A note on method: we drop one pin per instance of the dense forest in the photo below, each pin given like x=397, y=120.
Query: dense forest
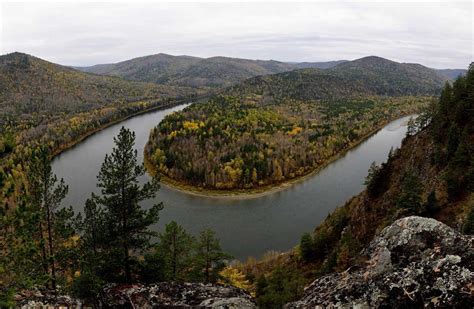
x=431, y=175
x=230, y=143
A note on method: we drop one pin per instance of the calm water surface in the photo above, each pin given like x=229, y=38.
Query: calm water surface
x=247, y=227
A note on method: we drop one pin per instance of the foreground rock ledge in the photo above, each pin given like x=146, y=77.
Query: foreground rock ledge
x=161, y=295
x=176, y=294
x=415, y=262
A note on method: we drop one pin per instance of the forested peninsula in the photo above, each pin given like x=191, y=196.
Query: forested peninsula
x=232, y=145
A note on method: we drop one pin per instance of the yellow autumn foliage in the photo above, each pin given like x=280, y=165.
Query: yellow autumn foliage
x=191, y=125
x=235, y=277
x=295, y=130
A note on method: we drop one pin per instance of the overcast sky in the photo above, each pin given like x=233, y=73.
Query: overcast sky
x=431, y=33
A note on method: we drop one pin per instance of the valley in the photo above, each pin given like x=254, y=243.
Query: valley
x=262, y=219
x=261, y=156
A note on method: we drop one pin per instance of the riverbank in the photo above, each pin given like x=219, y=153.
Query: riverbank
x=241, y=194
x=71, y=144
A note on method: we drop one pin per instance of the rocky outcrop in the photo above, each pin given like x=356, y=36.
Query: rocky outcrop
x=175, y=295
x=44, y=298
x=161, y=295
x=415, y=262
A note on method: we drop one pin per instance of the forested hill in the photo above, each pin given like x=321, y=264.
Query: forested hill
x=31, y=85
x=197, y=72
x=154, y=68
x=431, y=175
x=366, y=76
x=452, y=73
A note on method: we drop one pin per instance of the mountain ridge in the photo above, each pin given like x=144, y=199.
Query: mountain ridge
x=28, y=83
x=370, y=75
x=216, y=71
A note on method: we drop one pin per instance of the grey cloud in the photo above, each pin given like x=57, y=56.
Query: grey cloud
x=434, y=34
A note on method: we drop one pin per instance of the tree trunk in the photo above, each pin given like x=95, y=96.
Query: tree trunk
x=207, y=260
x=174, y=256
x=43, y=249
x=51, y=251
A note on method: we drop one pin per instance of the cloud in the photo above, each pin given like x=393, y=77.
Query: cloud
x=432, y=33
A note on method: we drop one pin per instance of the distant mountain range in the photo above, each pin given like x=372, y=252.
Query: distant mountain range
x=366, y=76
x=197, y=72
x=452, y=73
x=214, y=72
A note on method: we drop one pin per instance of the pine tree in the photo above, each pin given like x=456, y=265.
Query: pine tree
x=307, y=247
x=453, y=140
x=410, y=197
x=175, y=248
x=126, y=223
x=46, y=193
x=209, y=259
x=431, y=206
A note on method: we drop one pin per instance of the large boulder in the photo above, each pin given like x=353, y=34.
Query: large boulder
x=415, y=262
x=175, y=295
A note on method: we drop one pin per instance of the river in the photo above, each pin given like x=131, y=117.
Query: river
x=246, y=227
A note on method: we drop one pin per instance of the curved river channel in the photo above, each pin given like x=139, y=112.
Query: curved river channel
x=246, y=227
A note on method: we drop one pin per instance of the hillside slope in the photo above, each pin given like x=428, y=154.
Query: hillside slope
x=451, y=73
x=431, y=175
x=365, y=76
x=414, y=262
x=31, y=85
x=154, y=68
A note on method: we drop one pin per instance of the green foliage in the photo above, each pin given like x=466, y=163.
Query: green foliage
x=6, y=297
x=87, y=286
x=410, y=196
x=37, y=232
x=452, y=131
x=283, y=285
x=468, y=227
x=153, y=267
x=431, y=205
x=307, y=247
x=453, y=140
x=377, y=179
x=209, y=259
x=46, y=194
x=175, y=249
x=126, y=223
x=7, y=143
x=180, y=257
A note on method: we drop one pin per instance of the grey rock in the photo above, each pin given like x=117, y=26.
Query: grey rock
x=43, y=298
x=415, y=262
x=174, y=294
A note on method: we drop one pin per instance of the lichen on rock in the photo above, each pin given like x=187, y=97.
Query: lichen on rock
x=414, y=262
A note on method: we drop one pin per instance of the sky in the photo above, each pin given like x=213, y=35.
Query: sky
x=435, y=34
